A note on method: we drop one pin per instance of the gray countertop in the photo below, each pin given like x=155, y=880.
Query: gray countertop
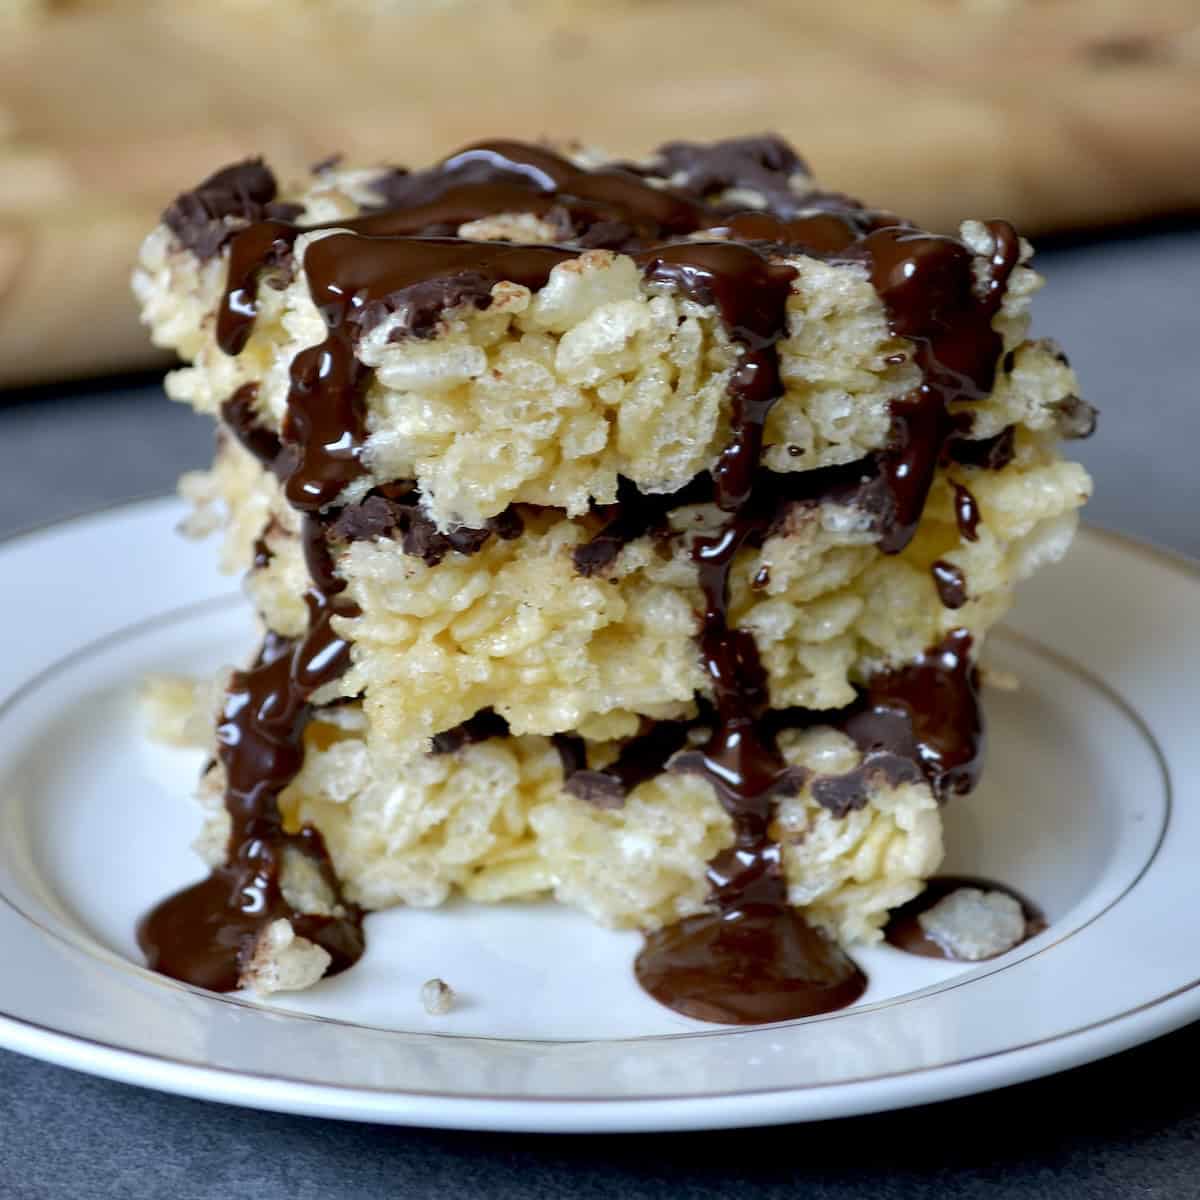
x=1128, y=311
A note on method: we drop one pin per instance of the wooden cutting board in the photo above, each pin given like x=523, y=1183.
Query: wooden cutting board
x=1057, y=114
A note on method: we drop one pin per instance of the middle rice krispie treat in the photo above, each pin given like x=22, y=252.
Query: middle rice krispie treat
x=625, y=532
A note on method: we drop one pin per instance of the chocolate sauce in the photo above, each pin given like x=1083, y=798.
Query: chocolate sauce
x=751, y=957
x=394, y=511
x=951, y=584
x=263, y=554
x=930, y=293
x=992, y=454
x=750, y=292
x=904, y=931
x=484, y=725
x=640, y=759
x=776, y=495
x=748, y=945
x=966, y=513
x=240, y=416
x=205, y=218
x=464, y=187
x=205, y=934
x=765, y=164
x=572, y=753
x=937, y=696
x=747, y=965
x=928, y=288
x=918, y=722
x=634, y=515
x=251, y=252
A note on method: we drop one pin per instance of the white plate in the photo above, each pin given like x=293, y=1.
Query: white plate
x=1089, y=806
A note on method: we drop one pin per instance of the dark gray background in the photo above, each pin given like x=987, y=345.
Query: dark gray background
x=1127, y=309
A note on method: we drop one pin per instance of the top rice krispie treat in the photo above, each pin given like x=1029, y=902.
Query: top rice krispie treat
x=586, y=503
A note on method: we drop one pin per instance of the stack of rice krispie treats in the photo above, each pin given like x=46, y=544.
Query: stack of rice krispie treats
x=626, y=532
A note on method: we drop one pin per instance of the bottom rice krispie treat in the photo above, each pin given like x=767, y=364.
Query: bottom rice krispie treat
x=622, y=532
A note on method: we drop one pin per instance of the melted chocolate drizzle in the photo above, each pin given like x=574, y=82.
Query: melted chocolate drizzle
x=919, y=721
x=966, y=513
x=241, y=417
x=746, y=959
x=752, y=957
x=206, y=934
x=766, y=164
x=775, y=495
x=927, y=285
x=951, y=584
x=514, y=177
x=205, y=218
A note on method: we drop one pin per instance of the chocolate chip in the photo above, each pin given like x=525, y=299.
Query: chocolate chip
x=205, y=218
x=992, y=454
x=1074, y=417
x=484, y=725
x=399, y=515
x=951, y=583
x=764, y=164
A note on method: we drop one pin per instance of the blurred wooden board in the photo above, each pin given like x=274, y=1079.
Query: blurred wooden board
x=1056, y=114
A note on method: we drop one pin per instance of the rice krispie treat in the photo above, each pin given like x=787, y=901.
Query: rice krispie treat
x=625, y=532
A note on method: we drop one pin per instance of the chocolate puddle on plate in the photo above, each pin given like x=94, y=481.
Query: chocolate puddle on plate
x=904, y=930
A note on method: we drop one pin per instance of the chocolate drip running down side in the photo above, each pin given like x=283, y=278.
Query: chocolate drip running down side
x=966, y=513
x=206, y=934
x=752, y=958
x=928, y=288
x=241, y=418
x=741, y=963
x=918, y=722
x=951, y=584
